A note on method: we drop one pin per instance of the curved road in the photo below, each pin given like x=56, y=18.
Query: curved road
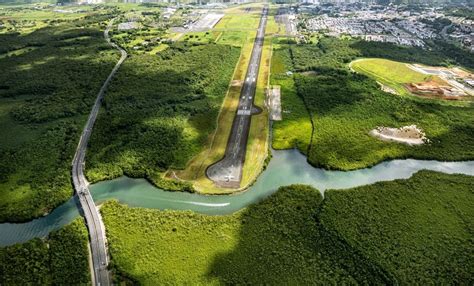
x=228, y=171
x=81, y=185
x=444, y=31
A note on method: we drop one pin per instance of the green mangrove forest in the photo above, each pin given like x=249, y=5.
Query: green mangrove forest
x=329, y=110
x=413, y=231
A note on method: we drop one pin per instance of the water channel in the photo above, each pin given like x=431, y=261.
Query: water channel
x=286, y=167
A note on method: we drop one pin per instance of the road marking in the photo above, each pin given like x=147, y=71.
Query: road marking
x=243, y=112
x=221, y=171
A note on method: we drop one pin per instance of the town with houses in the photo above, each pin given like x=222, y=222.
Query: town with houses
x=391, y=23
x=398, y=24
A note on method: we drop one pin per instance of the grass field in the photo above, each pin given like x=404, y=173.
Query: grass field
x=295, y=129
x=414, y=231
x=344, y=106
x=60, y=259
x=238, y=21
x=257, y=145
x=235, y=38
x=391, y=73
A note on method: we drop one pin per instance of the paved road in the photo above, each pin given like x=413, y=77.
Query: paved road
x=91, y=214
x=228, y=171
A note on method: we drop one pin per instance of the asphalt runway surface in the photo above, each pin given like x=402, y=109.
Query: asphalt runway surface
x=228, y=171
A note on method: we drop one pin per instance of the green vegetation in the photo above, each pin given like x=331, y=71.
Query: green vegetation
x=343, y=107
x=235, y=38
x=29, y=18
x=60, y=259
x=466, y=12
x=239, y=21
x=396, y=71
x=420, y=230
x=437, y=24
x=46, y=92
x=159, y=111
x=391, y=73
x=240, y=36
x=415, y=231
x=215, y=146
x=274, y=242
x=295, y=129
x=440, y=53
x=149, y=33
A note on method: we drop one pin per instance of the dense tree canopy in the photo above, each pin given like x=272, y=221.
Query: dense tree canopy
x=343, y=106
x=60, y=259
x=412, y=231
x=159, y=110
x=49, y=80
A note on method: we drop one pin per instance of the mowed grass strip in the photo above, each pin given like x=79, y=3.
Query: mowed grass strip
x=257, y=145
x=391, y=73
x=215, y=148
x=295, y=129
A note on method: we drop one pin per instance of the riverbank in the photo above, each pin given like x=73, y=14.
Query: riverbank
x=285, y=168
x=312, y=238
x=44, y=104
x=340, y=108
x=60, y=259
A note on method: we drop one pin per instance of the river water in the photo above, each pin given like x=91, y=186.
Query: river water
x=286, y=167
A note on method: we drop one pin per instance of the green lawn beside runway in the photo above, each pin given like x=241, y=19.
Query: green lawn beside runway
x=344, y=107
x=159, y=111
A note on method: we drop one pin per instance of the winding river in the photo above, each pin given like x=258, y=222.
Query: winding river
x=286, y=167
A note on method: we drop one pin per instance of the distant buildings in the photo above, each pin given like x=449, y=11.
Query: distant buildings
x=462, y=30
x=372, y=29
x=168, y=13
x=391, y=23
x=381, y=26
x=127, y=26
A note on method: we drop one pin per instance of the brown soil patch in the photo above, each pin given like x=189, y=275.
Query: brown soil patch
x=410, y=135
x=236, y=82
x=435, y=89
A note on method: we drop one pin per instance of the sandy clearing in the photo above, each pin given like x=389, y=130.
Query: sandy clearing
x=410, y=135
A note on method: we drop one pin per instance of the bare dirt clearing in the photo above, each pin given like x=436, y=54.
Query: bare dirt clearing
x=410, y=135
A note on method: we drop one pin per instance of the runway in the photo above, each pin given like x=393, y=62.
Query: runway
x=228, y=171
